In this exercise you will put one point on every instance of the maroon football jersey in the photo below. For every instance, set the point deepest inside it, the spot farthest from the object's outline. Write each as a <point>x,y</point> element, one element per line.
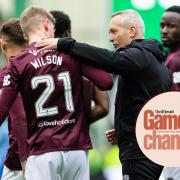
<point>173,65</point>
<point>12,160</point>
<point>17,128</point>
<point>51,87</point>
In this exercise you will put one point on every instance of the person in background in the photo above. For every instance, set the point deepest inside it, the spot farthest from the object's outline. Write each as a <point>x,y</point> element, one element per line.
<point>140,63</point>
<point>12,43</point>
<point>170,36</point>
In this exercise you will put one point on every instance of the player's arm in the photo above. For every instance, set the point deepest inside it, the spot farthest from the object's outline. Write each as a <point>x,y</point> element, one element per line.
<point>7,98</point>
<point>9,91</point>
<point>100,78</point>
<point>101,105</point>
<point>19,126</point>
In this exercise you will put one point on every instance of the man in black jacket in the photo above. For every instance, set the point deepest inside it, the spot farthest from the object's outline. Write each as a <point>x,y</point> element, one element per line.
<point>140,64</point>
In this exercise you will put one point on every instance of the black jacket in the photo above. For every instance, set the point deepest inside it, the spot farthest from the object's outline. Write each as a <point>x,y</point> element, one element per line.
<point>142,76</point>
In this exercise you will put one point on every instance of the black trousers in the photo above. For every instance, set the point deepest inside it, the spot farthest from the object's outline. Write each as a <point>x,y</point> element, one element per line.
<point>141,169</point>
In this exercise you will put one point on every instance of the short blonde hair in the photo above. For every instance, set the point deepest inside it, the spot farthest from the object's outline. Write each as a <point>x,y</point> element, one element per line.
<point>132,17</point>
<point>32,17</point>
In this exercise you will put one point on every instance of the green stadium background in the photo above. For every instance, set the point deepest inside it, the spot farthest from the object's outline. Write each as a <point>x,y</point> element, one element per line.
<point>151,11</point>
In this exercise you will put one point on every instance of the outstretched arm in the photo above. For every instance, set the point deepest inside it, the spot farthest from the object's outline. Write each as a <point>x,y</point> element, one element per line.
<point>100,78</point>
<point>124,61</point>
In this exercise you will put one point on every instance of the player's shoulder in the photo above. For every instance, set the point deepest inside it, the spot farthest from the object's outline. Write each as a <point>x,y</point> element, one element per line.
<point>175,57</point>
<point>177,54</point>
<point>68,59</point>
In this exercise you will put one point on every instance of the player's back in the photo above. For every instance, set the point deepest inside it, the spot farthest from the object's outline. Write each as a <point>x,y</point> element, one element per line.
<point>51,87</point>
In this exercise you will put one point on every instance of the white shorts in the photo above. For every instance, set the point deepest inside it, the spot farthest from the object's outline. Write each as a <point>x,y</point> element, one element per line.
<point>58,165</point>
<point>12,175</point>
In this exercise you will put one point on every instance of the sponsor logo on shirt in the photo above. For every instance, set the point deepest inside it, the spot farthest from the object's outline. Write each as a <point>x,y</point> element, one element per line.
<point>176,77</point>
<point>35,52</point>
<point>6,80</point>
<point>56,123</point>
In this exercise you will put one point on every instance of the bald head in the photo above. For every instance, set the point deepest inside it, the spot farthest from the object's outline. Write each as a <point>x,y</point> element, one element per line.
<point>130,18</point>
<point>125,26</point>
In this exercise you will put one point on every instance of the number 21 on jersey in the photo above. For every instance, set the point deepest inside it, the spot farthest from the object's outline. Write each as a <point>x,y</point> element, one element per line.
<point>50,87</point>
